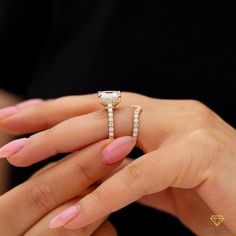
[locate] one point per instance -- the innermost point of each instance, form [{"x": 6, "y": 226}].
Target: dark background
[{"x": 165, "y": 49}]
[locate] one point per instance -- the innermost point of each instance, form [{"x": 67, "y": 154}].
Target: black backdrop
[{"x": 165, "y": 49}]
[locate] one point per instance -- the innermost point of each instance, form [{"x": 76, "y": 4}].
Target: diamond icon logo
[{"x": 217, "y": 219}]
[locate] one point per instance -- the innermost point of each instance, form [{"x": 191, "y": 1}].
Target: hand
[
  {"x": 189, "y": 165},
  {"x": 30, "y": 206}
]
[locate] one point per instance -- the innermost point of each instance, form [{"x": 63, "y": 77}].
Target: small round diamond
[
  {"x": 136, "y": 120},
  {"x": 110, "y": 123},
  {"x": 111, "y": 129},
  {"x": 110, "y": 114},
  {"x": 135, "y": 130}
]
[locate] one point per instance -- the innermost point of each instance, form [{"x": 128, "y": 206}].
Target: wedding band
[
  {"x": 137, "y": 111},
  {"x": 109, "y": 99}
]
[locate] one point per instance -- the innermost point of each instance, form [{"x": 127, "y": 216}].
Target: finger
[
  {"x": 48, "y": 113},
  {"x": 106, "y": 229},
  {"x": 130, "y": 184},
  {"x": 41, "y": 227},
  {"x": 41, "y": 194},
  {"x": 78, "y": 133}
]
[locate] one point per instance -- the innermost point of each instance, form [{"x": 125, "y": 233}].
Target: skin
[
  {"x": 188, "y": 169},
  {"x": 40, "y": 198}
]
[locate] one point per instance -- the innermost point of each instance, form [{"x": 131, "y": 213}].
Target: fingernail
[
  {"x": 12, "y": 147},
  {"x": 64, "y": 217},
  {"x": 118, "y": 149},
  {"x": 8, "y": 111},
  {"x": 29, "y": 102}
]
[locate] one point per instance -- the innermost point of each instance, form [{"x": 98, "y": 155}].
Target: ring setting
[{"x": 110, "y": 99}]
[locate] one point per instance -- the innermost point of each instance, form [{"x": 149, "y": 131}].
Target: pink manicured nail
[
  {"x": 29, "y": 102},
  {"x": 8, "y": 111},
  {"x": 12, "y": 147},
  {"x": 64, "y": 217},
  {"x": 118, "y": 149}
]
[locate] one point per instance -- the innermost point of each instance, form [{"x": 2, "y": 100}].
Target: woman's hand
[
  {"x": 188, "y": 169},
  {"x": 28, "y": 208}
]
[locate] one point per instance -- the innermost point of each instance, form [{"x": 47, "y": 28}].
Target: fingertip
[
  {"x": 12, "y": 147},
  {"x": 30, "y": 102},
  {"x": 118, "y": 149}
]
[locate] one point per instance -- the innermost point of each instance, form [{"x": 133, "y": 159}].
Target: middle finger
[{"x": 71, "y": 135}]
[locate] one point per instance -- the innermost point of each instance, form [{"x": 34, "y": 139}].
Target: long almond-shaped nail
[
  {"x": 64, "y": 217},
  {"x": 30, "y": 102},
  {"x": 12, "y": 147},
  {"x": 8, "y": 111},
  {"x": 118, "y": 149}
]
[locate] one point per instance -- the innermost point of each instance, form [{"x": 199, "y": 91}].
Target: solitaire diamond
[{"x": 109, "y": 97}]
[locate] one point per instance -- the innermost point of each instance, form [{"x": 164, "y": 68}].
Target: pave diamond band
[
  {"x": 137, "y": 111},
  {"x": 109, "y": 99},
  {"x": 110, "y": 120}
]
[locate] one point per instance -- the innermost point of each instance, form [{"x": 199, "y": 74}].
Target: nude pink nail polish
[
  {"x": 64, "y": 217},
  {"x": 12, "y": 147},
  {"x": 8, "y": 111},
  {"x": 29, "y": 102},
  {"x": 118, "y": 149}
]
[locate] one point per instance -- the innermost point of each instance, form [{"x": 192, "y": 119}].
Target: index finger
[{"x": 71, "y": 135}]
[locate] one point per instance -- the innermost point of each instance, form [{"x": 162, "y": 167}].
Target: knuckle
[
  {"x": 133, "y": 177},
  {"x": 202, "y": 117},
  {"x": 40, "y": 197},
  {"x": 99, "y": 198},
  {"x": 204, "y": 139},
  {"x": 50, "y": 136},
  {"x": 41, "y": 108},
  {"x": 196, "y": 105},
  {"x": 203, "y": 150},
  {"x": 80, "y": 170},
  {"x": 98, "y": 195},
  {"x": 133, "y": 172}
]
